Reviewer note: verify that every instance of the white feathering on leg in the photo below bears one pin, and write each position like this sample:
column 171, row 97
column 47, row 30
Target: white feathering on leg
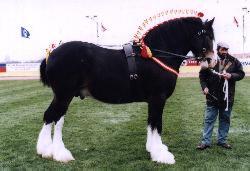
column 158, row 151
column 149, row 137
column 44, row 142
column 60, row 153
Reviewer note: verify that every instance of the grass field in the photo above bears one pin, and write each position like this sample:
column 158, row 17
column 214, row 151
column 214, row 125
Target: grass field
column 113, row 136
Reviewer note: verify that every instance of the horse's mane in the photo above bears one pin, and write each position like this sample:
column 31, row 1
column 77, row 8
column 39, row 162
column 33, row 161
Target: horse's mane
column 170, row 24
column 163, row 16
column 184, row 25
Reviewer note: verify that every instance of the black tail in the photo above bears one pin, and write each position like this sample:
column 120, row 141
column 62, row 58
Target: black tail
column 43, row 76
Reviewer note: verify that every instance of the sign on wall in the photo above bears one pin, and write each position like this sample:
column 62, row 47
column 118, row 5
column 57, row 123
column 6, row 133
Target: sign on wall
column 22, row 67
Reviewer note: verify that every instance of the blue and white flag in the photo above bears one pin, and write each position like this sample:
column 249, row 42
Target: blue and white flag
column 25, row 33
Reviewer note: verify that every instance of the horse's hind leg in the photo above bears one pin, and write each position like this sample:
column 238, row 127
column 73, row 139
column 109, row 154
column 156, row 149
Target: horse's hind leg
column 158, row 151
column 44, row 143
column 45, row 146
column 60, row 153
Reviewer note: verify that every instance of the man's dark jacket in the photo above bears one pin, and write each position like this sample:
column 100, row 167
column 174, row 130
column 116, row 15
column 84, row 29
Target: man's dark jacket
column 215, row 82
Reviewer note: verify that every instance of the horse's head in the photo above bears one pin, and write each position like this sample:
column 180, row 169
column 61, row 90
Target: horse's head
column 202, row 39
column 182, row 35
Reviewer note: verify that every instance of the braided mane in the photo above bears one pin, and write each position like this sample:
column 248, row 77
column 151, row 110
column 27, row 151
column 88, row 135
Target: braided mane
column 161, row 18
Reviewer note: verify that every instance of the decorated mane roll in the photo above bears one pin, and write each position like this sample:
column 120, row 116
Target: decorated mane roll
column 157, row 20
column 162, row 17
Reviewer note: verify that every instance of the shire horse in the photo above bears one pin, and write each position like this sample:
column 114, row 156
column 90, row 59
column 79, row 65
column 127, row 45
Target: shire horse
column 80, row 69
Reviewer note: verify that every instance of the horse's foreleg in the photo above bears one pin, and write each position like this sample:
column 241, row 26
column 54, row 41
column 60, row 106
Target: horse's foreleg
column 158, row 151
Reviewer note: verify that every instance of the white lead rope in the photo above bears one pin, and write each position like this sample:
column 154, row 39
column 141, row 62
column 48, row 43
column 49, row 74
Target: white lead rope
column 225, row 90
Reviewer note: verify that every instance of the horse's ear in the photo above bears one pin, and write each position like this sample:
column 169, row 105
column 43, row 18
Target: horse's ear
column 209, row 23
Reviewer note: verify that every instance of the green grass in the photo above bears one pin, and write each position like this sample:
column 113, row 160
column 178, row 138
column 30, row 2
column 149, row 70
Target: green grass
column 113, row 136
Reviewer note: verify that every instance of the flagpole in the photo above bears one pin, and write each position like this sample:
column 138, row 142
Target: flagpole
column 97, row 31
column 245, row 11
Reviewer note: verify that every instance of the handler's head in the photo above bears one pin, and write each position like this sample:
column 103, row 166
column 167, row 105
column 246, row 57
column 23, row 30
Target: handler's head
column 222, row 49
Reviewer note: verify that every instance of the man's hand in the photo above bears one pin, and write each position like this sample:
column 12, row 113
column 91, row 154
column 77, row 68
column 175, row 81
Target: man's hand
column 205, row 91
column 226, row 75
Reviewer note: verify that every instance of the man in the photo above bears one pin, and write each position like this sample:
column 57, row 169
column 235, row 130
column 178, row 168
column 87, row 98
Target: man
column 218, row 84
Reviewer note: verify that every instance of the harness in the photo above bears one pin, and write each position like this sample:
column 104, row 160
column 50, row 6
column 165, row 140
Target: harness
column 130, row 55
column 145, row 52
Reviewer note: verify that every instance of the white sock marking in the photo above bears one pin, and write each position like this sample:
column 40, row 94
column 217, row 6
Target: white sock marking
column 44, row 142
column 158, row 151
column 60, row 153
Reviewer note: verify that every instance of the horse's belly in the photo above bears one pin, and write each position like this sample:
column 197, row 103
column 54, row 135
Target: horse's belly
column 106, row 94
column 112, row 98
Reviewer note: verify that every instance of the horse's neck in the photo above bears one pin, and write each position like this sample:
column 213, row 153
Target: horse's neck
column 174, row 63
column 177, row 61
column 174, row 45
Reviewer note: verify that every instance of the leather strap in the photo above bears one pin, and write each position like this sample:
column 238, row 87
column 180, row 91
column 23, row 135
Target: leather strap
column 130, row 55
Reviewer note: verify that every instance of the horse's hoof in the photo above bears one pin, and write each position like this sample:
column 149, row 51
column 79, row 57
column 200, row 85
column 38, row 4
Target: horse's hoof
column 62, row 155
column 162, row 155
column 45, row 150
column 48, row 153
column 149, row 147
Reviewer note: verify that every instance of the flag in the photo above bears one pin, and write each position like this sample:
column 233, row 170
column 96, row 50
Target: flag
column 25, row 33
column 236, row 22
column 103, row 28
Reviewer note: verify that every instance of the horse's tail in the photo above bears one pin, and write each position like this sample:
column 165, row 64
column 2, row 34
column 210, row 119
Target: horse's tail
column 43, row 75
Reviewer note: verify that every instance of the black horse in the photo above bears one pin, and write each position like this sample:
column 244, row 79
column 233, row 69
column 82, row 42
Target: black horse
column 80, row 69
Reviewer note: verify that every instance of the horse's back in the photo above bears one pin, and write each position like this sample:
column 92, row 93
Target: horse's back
column 83, row 53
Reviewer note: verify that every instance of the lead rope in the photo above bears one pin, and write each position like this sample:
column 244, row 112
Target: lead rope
column 225, row 90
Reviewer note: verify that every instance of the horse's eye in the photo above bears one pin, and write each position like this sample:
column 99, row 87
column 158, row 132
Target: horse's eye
column 209, row 60
column 204, row 50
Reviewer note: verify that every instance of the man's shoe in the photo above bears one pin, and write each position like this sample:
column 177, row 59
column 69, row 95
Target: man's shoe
column 202, row 146
column 225, row 145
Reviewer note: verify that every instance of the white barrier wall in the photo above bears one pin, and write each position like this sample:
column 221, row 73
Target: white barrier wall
column 32, row 69
column 245, row 61
column 13, row 67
